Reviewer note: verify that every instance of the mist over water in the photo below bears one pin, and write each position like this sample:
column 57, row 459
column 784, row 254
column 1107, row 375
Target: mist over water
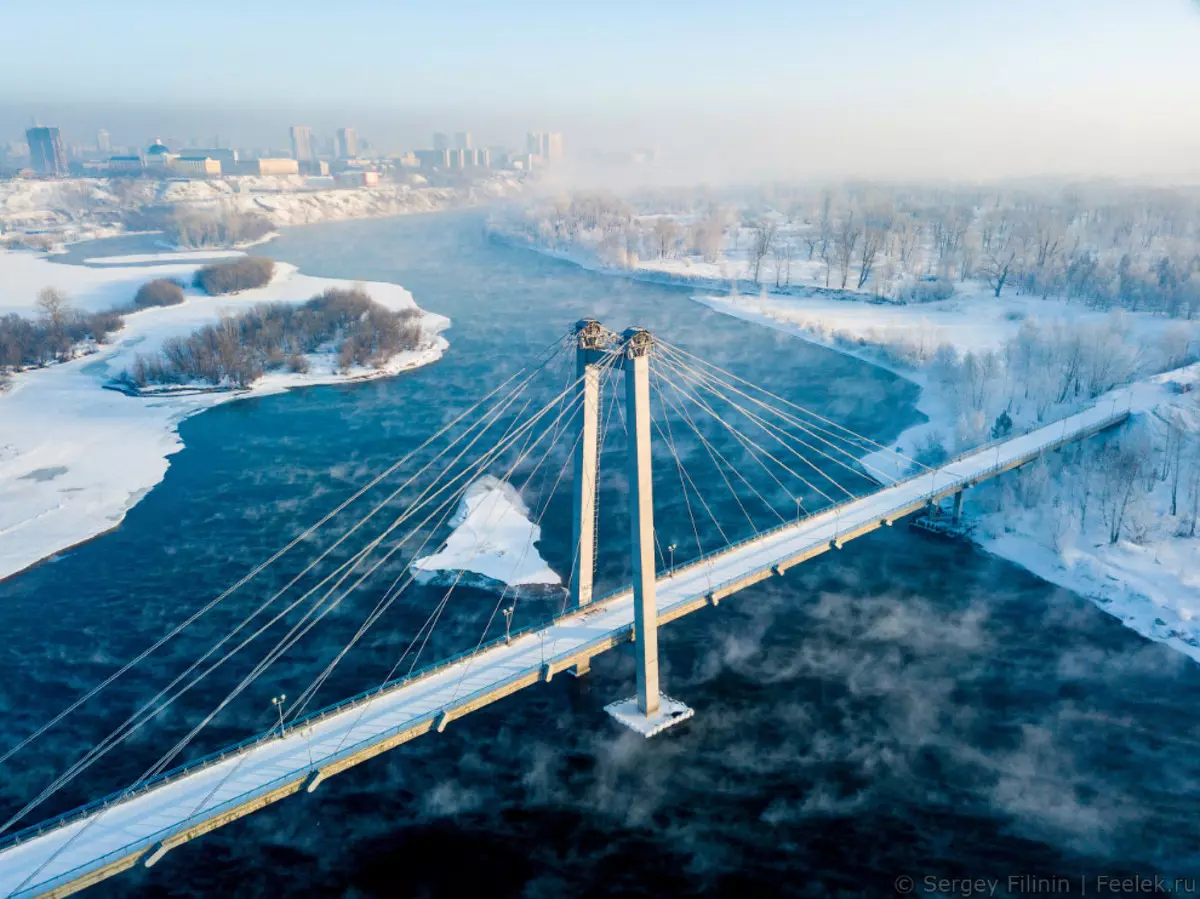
column 899, row 707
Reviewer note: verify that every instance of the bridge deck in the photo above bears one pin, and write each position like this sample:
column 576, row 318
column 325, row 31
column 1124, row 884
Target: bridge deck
column 91, row 846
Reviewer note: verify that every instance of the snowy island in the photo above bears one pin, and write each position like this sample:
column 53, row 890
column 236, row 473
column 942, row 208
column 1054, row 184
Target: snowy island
column 75, row 457
column 493, row 543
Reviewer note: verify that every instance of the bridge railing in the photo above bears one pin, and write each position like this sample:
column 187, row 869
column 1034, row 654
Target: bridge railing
column 282, row 780
column 189, row 768
column 927, row 496
column 214, row 758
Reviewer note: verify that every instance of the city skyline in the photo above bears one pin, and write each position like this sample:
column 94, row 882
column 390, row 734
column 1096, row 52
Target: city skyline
column 810, row 89
column 351, row 159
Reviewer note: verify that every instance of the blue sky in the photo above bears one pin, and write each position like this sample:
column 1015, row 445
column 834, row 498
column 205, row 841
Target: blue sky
column 1066, row 73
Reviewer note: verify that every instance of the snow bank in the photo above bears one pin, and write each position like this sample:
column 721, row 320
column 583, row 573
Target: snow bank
column 50, row 213
column 75, row 457
column 175, row 256
column 492, row 542
column 972, row 320
column 1153, row 587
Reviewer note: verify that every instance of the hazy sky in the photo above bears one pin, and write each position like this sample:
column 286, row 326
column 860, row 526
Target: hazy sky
column 955, row 87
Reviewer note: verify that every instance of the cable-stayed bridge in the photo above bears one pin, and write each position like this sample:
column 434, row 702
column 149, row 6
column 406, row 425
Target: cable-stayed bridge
column 821, row 483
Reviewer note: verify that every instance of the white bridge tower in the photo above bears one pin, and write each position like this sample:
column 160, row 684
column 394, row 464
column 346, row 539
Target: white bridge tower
column 649, row 712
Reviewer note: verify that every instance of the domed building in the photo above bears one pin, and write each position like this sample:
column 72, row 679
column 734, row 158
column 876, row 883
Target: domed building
column 159, row 155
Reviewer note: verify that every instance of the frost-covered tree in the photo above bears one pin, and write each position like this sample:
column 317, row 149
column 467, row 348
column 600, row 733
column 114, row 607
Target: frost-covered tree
column 763, row 234
column 845, row 238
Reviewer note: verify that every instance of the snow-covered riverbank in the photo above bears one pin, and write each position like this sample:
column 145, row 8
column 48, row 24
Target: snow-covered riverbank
column 48, row 214
column 76, row 457
column 1030, row 518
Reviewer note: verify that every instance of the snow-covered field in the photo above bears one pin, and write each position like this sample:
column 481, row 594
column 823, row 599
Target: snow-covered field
column 493, row 542
column 1153, row 586
column 75, row 457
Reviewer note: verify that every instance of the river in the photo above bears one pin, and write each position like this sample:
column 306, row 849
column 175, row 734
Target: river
column 898, row 708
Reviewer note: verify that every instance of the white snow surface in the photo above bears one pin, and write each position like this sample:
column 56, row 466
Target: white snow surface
column 973, row 320
column 492, row 539
column 175, row 256
column 1152, row 587
column 49, row 213
column 75, row 457
column 59, row 855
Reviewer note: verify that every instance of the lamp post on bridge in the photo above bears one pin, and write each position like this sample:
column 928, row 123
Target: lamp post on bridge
column 278, row 701
column 508, row 614
column 671, row 549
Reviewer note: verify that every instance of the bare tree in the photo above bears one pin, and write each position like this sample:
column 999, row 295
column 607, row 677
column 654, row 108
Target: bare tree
column 55, row 310
column 997, row 265
column 874, row 237
column 782, row 251
column 1122, row 471
column 1194, row 492
column 908, row 237
column 1173, row 458
column 763, row 237
column 845, row 239
column 53, row 306
column 706, row 238
column 666, row 235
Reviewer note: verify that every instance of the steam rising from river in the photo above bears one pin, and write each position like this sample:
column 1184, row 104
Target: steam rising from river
column 899, row 703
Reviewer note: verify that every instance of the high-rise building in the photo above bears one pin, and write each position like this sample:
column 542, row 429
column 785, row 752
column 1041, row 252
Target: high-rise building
column 46, row 151
column 430, row 159
column 347, row 143
column 103, row 141
column 441, row 141
column 462, row 140
column 302, row 143
column 546, row 144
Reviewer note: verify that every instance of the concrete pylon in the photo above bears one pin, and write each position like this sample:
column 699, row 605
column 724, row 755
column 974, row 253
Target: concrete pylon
column 638, row 346
column 590, row 341
column 958, row 504
column 649, row 712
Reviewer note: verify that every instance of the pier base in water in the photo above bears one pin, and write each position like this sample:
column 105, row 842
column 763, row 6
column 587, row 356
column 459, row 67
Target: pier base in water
column 669, row 713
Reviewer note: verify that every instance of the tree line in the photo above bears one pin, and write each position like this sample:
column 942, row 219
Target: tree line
column 194, row 229
column 1107, row 246
column 236, row 351
column 59, row 331
column 234, row 276
column 240, row 349
column 55, row 335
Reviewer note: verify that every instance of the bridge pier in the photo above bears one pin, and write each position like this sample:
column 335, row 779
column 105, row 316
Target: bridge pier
column 156, row 853
column 958, row 504
column 649, row 712
column 591, row 340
